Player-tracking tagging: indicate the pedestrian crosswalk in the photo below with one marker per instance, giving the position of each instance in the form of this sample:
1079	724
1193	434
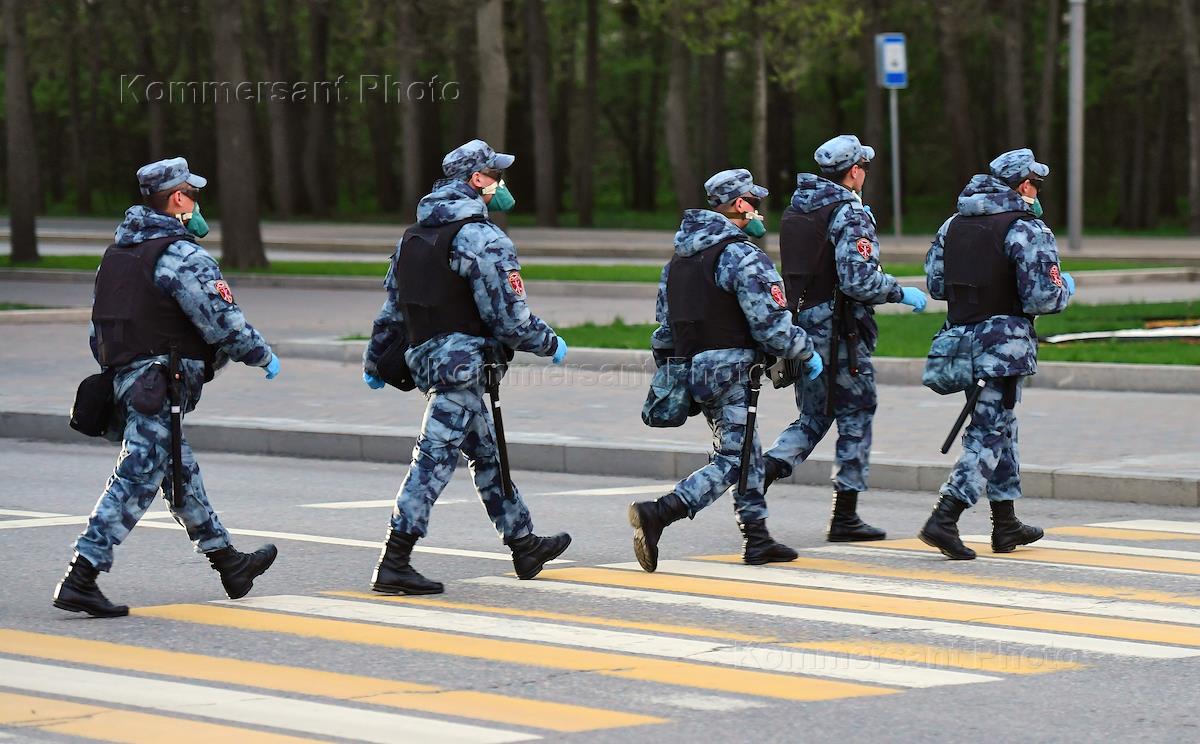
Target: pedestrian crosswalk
702	634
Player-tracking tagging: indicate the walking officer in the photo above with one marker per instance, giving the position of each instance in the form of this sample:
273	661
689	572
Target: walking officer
996	264
721	304
455	311
160	301
830	258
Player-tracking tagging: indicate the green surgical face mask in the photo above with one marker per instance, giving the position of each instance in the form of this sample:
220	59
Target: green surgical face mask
755	228
502	198
1035	205
195	223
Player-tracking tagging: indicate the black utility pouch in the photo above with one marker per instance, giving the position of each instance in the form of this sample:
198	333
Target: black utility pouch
93	406
393	369
150	390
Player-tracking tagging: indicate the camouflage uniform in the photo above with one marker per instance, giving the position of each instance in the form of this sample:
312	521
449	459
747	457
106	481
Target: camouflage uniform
186	272
860	278
449	368
719	377
1004	346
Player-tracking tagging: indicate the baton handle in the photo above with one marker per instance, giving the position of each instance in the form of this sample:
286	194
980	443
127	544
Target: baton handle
756	370
492	381
175	394
968	407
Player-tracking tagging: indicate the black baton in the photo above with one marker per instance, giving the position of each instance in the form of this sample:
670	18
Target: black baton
175	394
492	380
835	341
756	370
972	399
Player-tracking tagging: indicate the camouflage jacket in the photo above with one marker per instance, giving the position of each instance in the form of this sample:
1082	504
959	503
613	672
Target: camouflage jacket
484	256
1006	345
743	270
186	272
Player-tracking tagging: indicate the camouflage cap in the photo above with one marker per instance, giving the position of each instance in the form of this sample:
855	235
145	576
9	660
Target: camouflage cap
842	152
730	184
1015	166
476	155
167	174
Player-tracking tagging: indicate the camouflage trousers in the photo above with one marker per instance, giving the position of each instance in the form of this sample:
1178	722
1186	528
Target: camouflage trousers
989	462
458	421
143	467
726	416
854	412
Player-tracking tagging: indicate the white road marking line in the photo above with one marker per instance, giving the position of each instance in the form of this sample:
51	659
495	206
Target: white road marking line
1051	641
758	658
17	524
255	708
1152	525
934	556
631	490
377	504
23	513
929	590
705	702
1181	555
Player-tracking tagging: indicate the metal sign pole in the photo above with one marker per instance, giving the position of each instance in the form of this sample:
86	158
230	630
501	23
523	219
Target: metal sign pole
891	72
894	106
1075	130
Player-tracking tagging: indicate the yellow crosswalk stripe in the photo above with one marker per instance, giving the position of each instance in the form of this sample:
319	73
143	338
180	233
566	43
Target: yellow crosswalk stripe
1111	533
686	674
113	724
392	693
683	630
854	568
941	656
1056	555
1135	630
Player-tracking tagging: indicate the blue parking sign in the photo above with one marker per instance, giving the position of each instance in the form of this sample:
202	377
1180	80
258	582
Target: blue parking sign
891	61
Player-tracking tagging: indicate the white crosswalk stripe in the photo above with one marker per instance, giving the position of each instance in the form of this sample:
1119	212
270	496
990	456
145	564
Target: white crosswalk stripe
1181	555
1152	525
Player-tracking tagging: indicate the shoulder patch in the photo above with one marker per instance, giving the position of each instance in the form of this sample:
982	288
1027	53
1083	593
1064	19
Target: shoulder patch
778	296
221	288
516	284
1056	275
864	247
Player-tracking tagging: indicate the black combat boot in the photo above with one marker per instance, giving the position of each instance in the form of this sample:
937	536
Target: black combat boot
239	570
394	575
845	526
758	547
649	519
941	531
1007	531
77	592
531	552
773	470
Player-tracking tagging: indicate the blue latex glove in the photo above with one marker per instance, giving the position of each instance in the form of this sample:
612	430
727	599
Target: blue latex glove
914	297
272	367
814	365
1070	282
560	352
372	381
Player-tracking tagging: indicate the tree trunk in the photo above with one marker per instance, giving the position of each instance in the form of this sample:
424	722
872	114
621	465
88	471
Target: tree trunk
21	141
1159	143
874	129
1014	74
1191	55
237	172
410	116
956	93
714	131
1045	117
319	137
675	120
758	116
781	151
493	72
538	53
586	146
565	87
380	122
279	51
79	152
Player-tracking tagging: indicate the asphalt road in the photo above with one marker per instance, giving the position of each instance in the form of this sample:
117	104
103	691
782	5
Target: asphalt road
1094	639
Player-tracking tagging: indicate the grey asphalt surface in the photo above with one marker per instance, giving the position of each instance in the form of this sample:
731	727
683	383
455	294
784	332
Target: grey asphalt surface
1107	698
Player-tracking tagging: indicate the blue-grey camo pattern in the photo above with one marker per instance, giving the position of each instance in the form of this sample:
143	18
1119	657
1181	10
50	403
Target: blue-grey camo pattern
166	174
861	278
458	421
485	257
1017	164
989	464
719	377
1006	345
186	272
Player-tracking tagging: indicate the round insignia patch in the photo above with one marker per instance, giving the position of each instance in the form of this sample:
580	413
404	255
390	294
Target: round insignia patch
222	288
514	281
1056	276
864	247
777	295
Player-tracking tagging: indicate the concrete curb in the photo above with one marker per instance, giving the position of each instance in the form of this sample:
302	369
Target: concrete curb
1126	378
387	444
51	315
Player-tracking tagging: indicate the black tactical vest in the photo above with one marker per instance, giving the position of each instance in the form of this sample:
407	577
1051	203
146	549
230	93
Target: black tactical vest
434	300
135	319
981	281
807	256
704	316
